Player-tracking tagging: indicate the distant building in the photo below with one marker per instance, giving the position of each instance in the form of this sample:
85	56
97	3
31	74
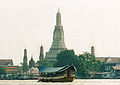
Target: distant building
106	75
58	43
111	69
8	65
103	59
33	71
109	65
25	64
108	59
6	62
13	69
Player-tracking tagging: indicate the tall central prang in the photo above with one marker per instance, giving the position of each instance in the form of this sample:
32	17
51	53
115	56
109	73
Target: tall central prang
58	43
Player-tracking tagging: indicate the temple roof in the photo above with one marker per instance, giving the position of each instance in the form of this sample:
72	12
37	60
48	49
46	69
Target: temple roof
113	62
102	59
116	68
6	62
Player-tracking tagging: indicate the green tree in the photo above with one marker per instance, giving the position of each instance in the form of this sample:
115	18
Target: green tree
87	64
84	63
2	70
82	68
66	57
44	63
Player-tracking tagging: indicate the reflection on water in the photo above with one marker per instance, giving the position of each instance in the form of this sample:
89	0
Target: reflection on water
75	82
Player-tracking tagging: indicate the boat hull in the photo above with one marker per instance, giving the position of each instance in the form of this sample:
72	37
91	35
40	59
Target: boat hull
66	79
63	78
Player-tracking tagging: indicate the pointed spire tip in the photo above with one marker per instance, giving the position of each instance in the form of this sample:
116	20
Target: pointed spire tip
58	9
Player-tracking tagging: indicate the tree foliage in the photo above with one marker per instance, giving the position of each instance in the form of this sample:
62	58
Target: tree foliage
87	64
84	63
44	63
2	70
66	57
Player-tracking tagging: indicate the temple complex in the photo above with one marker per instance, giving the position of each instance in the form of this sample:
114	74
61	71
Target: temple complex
58	43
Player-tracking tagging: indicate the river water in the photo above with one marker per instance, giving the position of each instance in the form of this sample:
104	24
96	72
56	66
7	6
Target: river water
75	82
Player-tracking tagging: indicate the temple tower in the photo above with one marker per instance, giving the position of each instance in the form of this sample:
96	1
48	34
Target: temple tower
92	51
25	64
31	63
58	43
41	53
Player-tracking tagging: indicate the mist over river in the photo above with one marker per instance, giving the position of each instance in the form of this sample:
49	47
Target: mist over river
75	82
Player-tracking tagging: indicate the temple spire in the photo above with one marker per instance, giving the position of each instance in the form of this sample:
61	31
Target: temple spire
25	64
41	53
58	9
31	63
58	18
92	51
58	43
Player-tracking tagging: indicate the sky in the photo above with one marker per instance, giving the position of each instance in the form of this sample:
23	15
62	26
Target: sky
30	24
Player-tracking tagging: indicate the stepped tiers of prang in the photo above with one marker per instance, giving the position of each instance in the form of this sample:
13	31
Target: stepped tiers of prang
58	43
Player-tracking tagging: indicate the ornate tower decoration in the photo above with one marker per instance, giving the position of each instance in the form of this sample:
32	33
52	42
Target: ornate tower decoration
31	63
92	51
58	43
41	53
25	64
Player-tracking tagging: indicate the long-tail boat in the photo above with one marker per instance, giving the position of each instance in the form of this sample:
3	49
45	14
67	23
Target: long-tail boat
57	74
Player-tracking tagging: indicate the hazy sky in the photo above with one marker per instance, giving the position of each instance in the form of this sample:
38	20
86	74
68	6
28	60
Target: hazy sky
30	23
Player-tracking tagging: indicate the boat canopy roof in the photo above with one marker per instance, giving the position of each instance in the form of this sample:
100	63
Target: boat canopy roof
53	69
